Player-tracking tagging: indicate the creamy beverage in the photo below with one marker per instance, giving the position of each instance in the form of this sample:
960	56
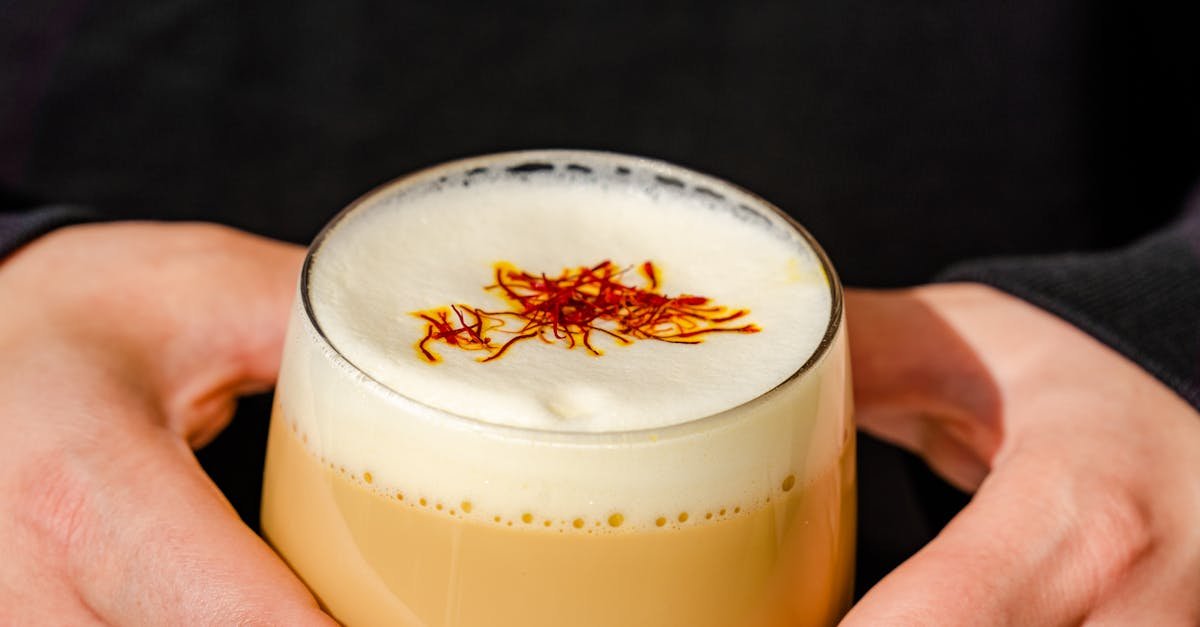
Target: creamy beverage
565	388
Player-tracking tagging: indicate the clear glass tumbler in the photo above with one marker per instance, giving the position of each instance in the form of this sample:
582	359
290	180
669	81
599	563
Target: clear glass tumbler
396	512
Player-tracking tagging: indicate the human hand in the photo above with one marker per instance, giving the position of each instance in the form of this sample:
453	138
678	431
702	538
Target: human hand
1086	469
122	347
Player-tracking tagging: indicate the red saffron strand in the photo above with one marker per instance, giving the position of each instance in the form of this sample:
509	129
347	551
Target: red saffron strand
567	309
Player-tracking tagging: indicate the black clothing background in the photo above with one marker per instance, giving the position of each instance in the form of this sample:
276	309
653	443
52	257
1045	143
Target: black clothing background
904	137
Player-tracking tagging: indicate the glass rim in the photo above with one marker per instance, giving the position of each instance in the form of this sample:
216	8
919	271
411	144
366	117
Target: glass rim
515	157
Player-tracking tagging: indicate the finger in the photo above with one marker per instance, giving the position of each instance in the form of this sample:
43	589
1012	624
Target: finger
198	311
173	551
1033	547
233	345
920	385
254	322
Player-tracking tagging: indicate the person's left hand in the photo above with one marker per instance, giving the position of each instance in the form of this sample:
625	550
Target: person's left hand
1085	468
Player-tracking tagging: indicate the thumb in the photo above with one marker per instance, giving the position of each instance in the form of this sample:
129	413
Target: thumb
173	552
1031	548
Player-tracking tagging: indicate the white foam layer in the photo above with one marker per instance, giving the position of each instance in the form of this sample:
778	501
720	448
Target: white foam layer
427	243
423	250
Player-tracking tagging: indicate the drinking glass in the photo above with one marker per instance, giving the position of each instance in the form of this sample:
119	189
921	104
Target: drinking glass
471	525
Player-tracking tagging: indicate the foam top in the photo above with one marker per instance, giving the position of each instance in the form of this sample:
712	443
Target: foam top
628	436
434	241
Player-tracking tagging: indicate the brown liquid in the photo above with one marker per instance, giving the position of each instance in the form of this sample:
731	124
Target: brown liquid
372	559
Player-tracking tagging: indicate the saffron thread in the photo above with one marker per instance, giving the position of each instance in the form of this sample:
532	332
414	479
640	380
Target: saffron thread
569	308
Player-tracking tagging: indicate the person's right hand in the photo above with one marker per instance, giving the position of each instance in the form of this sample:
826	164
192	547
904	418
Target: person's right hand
1084	466
122	347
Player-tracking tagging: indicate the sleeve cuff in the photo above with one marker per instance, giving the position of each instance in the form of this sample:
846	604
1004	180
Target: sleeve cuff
20	228
1142	301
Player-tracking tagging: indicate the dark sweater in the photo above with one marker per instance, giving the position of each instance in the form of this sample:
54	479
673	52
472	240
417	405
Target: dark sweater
907	140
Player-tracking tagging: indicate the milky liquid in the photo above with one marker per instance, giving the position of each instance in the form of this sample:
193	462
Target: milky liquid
546	442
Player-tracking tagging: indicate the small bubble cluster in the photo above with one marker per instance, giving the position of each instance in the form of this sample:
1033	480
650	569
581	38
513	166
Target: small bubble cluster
615	520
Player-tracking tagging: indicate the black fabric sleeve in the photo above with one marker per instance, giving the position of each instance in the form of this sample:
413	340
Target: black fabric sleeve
1142	300
24	218
18	228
